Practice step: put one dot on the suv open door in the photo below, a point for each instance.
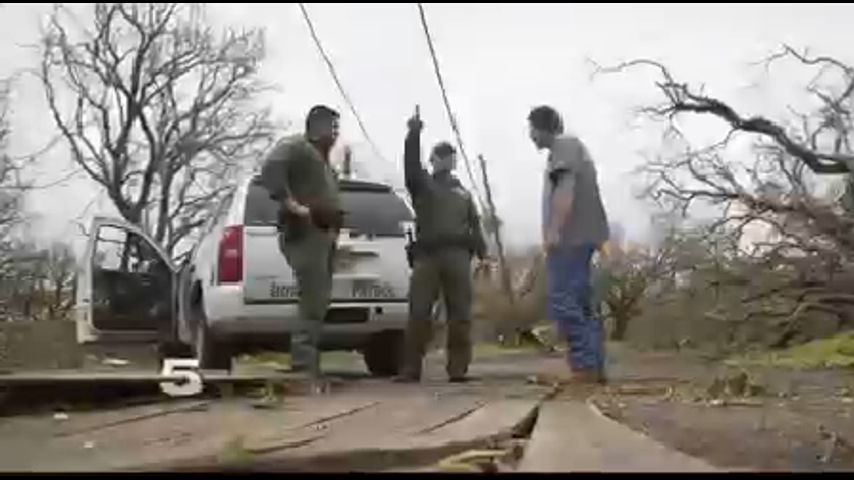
(126, 288)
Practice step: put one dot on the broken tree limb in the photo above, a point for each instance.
(681, 99)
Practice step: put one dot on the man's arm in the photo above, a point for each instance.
(274, 173)
(476, 231)
(413, 172)
(562, 198)
(562, 171)
(275, 178)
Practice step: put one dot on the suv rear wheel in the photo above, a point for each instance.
(212, 355)
(384, 353)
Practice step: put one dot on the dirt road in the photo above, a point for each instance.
(784, 420)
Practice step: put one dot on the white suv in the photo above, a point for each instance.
(236, 292)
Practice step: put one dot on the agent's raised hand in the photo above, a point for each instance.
(415, 123)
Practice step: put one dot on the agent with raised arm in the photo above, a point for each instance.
(448, 234)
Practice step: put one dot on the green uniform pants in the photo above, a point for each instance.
(310, 257)
(449, 271)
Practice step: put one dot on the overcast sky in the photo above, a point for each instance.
(498, 60)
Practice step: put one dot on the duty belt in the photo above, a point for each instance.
(433, 245)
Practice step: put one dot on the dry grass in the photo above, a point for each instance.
(834, 352)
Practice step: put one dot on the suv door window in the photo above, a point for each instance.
(131, 283)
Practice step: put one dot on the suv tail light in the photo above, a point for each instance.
(230, 258)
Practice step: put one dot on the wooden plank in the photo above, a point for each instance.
(299, 422)
(572, 437)
(132, 377)
(145, 439)
(383, 425)
(496, 418)
(159, 411)
(402, 432)
(395, 424)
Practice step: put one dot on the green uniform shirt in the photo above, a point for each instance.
(445, 213)
(297, 169)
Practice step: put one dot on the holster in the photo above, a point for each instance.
(326, 218)
(294, 226)
(410, 247)
(464, 242)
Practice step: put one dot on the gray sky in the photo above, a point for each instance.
(498, 60)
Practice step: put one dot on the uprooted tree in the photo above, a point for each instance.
(157, 107)
(791, 235)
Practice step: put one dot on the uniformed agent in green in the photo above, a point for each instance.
(297, 174)
(448, 234)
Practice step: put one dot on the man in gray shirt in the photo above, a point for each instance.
(574, 227)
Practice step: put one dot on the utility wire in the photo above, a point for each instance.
(451, 117)
(338, 83)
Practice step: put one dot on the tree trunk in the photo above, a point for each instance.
(621, 326)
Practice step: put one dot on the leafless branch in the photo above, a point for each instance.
(160, 104)
(11, 186)
(781, 246)
(680, 98)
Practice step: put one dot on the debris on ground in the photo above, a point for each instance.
(235, 452)
(472, 461)
(835, 446)
(115, 362)
(503, 457)
(736, 386)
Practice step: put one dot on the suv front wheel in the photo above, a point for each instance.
(384, 353)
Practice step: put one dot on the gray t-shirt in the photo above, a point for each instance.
(570, 169)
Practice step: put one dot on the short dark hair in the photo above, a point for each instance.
(546, 118)
(318, 112)
(443, 149)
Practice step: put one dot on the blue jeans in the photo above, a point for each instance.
(570, 305)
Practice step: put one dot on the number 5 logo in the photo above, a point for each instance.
(186, 367)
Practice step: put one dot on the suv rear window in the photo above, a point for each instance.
(371, 209)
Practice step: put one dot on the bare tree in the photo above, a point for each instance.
(157, 108)
(39, 283)
(11, 186)
(775, 190)
(60, 271)
(770, 207)
(823, 143)
(623, 279)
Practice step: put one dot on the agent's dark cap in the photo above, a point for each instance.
(443, 149)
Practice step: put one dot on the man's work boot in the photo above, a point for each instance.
(603, 378)
(586, 377)
(562, 374)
